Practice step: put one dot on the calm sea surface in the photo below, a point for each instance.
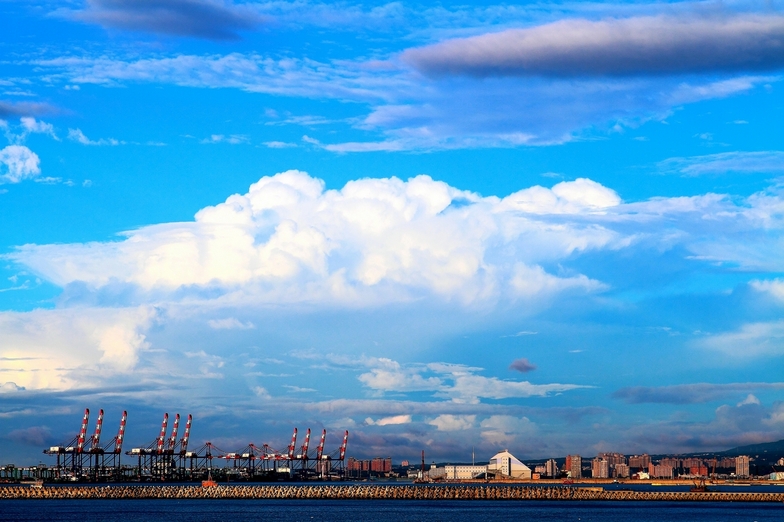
(381, 511)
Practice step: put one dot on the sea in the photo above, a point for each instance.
(383, 511)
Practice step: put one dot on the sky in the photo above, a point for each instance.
(549, 227)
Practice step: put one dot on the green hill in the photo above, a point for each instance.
(765, 449)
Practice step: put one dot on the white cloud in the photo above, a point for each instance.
(279, 144)
(78, 136)
(727, 162)
(10, 387)
(448, 422)
(750, 399)
(230, 323)
(33, 126)
(375, 240)
(774, 287)
(456, 382)
(233, 139)
(750, 340)
(52, 349)
(506, 429)
(18, 163)
(389, 421)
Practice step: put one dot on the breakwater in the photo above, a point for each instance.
(373, 492)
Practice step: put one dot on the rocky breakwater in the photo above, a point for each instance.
(372, 492)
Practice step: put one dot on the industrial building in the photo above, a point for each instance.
(506, 465)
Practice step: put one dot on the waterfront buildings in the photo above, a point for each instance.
(639, 462)
(600, 468)
(551, 468)
(574, 466)
(621, 470)
(742, 466)
(506, 464)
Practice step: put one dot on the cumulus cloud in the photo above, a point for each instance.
(522, 366)
(690, 393)
(10, 387)
(210, 19)
(51, 349)
(375, 240)
(18, 163)
(759, 162)
(774, 287)
(613, 47)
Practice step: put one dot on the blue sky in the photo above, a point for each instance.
(550, 227)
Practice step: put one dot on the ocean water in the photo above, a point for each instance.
(382, 511)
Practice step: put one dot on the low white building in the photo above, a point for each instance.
(506, 465)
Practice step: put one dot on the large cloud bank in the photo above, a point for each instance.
(288, 239)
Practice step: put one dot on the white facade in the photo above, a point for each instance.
(507, 465)
(464, 472)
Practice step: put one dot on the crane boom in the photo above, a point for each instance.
(173, 438)
(343, 446)
(186, 436)
(293, 445)
(320, 449)
(306, 445)
(120, 434)
(83, 431)
(96, 439)
(162, 436)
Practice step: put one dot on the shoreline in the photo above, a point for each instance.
(372, 492)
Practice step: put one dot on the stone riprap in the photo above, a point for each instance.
(372, 492)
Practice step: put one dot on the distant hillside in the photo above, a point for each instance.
(769, 449)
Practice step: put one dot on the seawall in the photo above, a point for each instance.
(373, 492)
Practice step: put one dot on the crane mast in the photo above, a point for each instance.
(120, 434)
(162, 436)
(320, 449)
(293, 445)
(83, 431)
(343, 446)
(96, 438)
(173, 438)
(306, 445)
(186, 436)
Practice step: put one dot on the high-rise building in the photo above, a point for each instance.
(621, 470)
(742, 466)
(613, 458)
(640, 461)
(692, 462)
(574, 465)
(551, 468)
(600, 468)
(660, 471)
(672, 462)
